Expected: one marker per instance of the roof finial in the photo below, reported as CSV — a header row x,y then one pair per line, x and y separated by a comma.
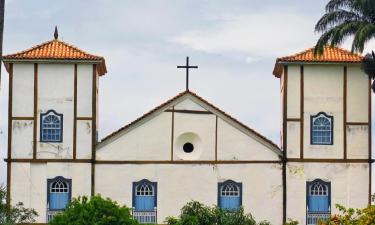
x,y
56,33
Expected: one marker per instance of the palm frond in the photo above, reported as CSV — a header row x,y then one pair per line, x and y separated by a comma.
x,y
335,18
334,5
364,34
336,35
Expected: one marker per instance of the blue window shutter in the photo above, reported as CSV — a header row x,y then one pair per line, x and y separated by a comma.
x,y
58,201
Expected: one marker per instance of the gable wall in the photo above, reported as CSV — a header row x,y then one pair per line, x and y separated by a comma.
x,y
163,135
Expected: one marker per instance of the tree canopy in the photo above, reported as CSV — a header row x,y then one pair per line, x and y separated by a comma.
x,y
94,211
195,213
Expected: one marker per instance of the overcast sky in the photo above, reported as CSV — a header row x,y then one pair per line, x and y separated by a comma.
x,y
234,43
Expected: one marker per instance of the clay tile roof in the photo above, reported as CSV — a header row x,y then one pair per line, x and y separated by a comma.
x,y
57,50
330,55
167,103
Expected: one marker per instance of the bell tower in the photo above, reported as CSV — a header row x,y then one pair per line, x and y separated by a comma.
x,y
326,132
52,121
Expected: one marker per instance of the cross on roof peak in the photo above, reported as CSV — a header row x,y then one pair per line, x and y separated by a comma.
x,y
187,67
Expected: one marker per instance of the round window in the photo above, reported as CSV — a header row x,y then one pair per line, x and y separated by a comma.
x,y
188,147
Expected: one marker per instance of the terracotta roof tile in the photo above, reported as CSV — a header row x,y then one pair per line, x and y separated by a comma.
x,y
201,99
57,50
330,55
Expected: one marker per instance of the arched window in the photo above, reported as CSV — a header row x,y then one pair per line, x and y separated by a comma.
x,y
229,195
51,126
321,129
144,195
318,196
59,193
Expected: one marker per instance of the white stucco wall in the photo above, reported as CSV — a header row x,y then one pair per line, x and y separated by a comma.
x,y
349,185
201,125
23,90
357,95
294,91
84,90
234,144
22,139
56,91
178,184
357,142
323,92
29,183
84,138
293,139
149,141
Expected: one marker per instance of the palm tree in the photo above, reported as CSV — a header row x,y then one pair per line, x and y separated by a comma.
x,y
346,18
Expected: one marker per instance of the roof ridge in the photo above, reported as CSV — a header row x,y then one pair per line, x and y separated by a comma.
x,y
201,99
331,54
46,43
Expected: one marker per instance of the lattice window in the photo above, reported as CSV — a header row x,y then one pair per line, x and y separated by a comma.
x,y
144,190
230,189
51,127
321,129
59,186
318,189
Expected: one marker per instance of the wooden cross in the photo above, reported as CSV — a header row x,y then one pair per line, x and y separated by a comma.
x,y
187,67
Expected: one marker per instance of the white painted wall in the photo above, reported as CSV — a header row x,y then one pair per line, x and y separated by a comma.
x,y
234,144
84,138
149,141
84,90
22,139
29,183
23,90
56,91
294,90
349,185
357,95
178,184
323,92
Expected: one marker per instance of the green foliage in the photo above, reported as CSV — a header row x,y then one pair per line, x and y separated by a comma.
x,y
10,215
291,222
345,18
94,211
195,213
350,216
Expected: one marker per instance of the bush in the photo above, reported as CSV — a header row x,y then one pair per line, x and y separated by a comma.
x,y
94,211
350,216
195,213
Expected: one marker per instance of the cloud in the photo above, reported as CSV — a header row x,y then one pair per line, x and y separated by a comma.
x,y
267,33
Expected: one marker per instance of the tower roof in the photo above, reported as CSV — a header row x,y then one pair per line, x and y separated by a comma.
x,y
330,55
56,50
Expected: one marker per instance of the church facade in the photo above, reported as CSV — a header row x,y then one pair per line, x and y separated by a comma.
x,y
186,148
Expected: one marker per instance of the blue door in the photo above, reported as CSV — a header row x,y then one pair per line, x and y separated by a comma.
x,y
318,203
58,201
144,203
318,198
229,202
145,197
59,193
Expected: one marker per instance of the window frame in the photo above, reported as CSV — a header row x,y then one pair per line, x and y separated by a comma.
x,y
222,184
322,182
154,185
60,116
51,181
312,117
